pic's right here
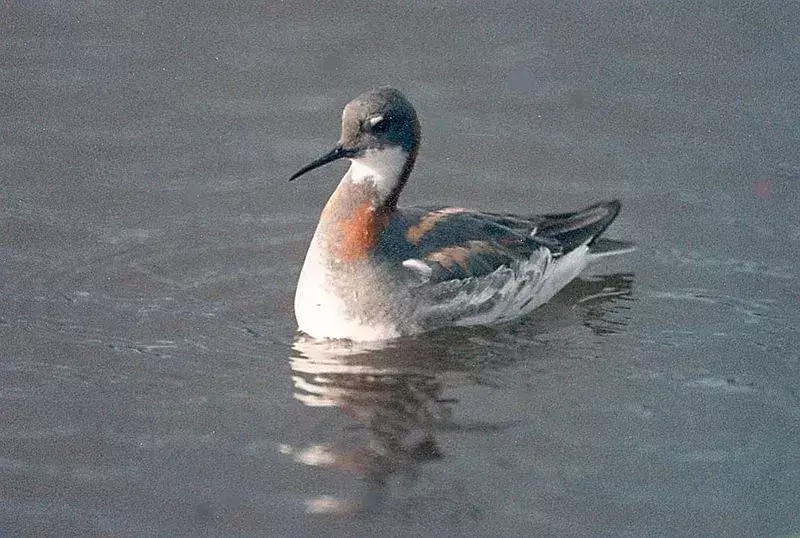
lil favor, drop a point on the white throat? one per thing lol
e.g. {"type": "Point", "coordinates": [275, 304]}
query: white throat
{"type": "Point", "coordinates": [380, 167]}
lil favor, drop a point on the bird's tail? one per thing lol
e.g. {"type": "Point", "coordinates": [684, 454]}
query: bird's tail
{"type": "Point", "coordinates": [602, 247]}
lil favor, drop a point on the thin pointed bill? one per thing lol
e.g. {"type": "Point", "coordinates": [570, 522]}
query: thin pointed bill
{"type": "Point", "coordinates": [336, 153]}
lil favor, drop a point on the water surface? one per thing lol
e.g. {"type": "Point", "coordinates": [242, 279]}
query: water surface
{"type": "Point", "coordinates": [151, 382]}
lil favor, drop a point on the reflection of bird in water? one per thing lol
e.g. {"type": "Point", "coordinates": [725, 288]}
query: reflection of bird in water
{"type": "Point", "coordinates": [399, 408]}
{"type": "Point", "coordinates": [396, 394]}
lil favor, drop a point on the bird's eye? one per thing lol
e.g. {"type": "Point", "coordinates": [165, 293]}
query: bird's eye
{"type": "Point", "coordinates": [377, 123]}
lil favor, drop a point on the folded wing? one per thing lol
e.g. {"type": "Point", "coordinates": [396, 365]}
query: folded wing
{"type": "Point", "coordinates": [440, 244]}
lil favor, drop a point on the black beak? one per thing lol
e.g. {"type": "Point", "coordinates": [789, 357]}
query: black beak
{"type": "Point", "coordinates": [338, 152]}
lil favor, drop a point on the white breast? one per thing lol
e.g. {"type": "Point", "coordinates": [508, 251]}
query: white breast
{"type": "Point", "coordinates": [321, 311]}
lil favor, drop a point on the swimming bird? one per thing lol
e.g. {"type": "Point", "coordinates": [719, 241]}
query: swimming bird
{"type": "Point", "coordinates": [376, 271]}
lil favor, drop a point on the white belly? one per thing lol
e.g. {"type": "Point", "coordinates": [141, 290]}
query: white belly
{"type": "Point", "coordinates": [321, 311]}
{"type": "Point", "coordinates": [328, 307]}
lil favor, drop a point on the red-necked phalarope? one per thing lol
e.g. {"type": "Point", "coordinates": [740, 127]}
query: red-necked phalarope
{"type": "Point", "coordinates": [375, 271]}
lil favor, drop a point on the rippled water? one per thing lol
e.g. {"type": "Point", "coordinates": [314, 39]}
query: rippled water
{"type": "Point", "coordinates": [151, 382]}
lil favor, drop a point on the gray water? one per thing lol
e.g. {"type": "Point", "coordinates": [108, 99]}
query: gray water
{"type": "Point", "coordinates": [151, 382]}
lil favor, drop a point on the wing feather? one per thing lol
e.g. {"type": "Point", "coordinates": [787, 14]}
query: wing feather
{"type": "Point", "coordinates": [440, 244]}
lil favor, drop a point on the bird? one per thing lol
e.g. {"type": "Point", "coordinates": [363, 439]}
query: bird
{"type": "Point", "coordinates": [375, 271]}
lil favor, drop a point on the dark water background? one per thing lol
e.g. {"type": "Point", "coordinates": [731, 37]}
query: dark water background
{"type": "Point", "coordinates": [150, 381]}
